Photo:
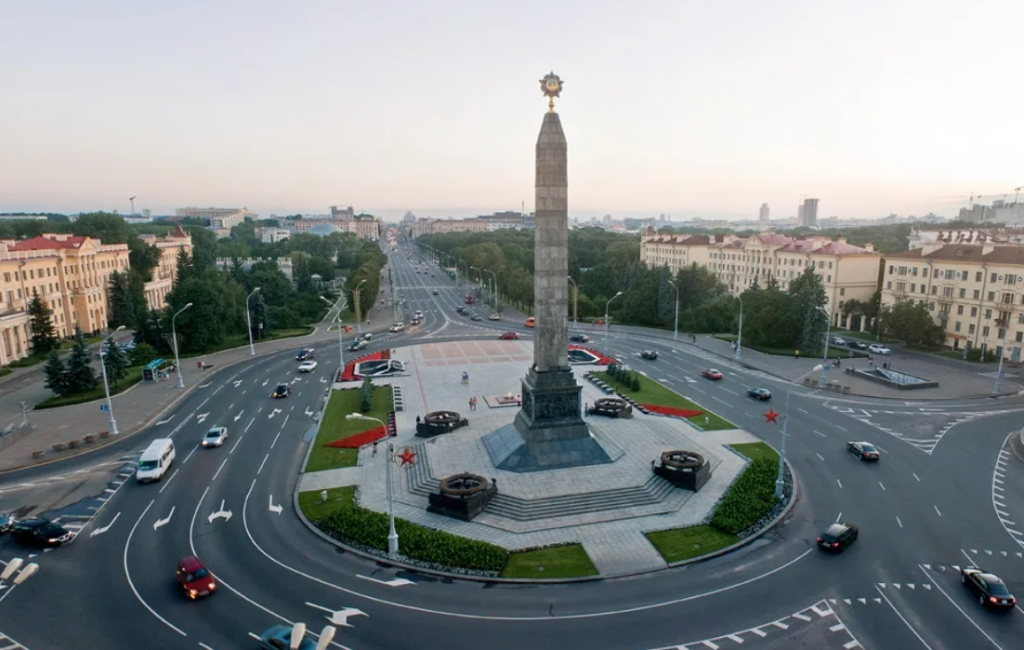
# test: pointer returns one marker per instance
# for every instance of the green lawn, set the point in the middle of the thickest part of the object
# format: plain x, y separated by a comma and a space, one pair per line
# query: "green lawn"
335, 426
314, 509
651, 392
569, 561
90, 340
239, 340
834, 352
681, 544
5, 371
26, 362
755, 450
133, 377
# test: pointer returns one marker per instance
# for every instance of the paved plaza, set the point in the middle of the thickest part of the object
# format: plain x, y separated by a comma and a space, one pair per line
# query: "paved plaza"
550, 507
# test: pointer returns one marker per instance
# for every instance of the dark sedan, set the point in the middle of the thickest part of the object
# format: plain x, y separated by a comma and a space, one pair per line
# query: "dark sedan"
864, 450
990, 590
857, 345
579, 338
650, 355
41, 532
762, 394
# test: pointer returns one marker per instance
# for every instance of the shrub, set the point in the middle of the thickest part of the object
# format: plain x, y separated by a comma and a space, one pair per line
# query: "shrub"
370, 528
366, 401
749, 499
634, 383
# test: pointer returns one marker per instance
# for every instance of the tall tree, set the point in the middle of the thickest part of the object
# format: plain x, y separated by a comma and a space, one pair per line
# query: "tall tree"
40, 324
809, 292
186, 269
122, 309
81, 377
911, 322
115, 361
143, 257
55, 374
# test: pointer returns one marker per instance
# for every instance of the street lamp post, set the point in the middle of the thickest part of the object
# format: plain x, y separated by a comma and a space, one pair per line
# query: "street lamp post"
606, 305
106, 386
824, 359
341, 348
1002, 352
494, 289
575, 301
780, 480
248, 321
174, 336
739, 333
392, 533
675, 329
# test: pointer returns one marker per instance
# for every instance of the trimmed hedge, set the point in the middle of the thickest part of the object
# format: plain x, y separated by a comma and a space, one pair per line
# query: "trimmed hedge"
751, 497
370, 528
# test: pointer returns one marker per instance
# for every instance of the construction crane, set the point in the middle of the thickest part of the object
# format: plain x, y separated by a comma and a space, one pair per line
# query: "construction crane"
131, 199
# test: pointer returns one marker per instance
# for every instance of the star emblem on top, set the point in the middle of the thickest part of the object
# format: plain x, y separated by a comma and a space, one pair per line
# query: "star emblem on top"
771, 416
407, 457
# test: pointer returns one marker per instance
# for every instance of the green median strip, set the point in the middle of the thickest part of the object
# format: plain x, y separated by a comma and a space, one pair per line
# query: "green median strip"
681, 544
651, 392
570, 561
335, 427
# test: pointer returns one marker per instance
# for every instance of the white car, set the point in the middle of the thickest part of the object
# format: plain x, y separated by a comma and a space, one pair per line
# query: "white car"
215, 437
307, 366
494, 317
838, 340
879, 349
397, 327
365, 336
418, 314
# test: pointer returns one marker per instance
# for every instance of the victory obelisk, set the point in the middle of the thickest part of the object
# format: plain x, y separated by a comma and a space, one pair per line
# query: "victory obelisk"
549, 431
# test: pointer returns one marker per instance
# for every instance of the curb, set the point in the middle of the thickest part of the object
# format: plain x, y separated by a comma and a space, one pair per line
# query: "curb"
386, 561
1017, 444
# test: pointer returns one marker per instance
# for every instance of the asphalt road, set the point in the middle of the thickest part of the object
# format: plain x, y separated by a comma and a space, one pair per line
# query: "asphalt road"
939, 500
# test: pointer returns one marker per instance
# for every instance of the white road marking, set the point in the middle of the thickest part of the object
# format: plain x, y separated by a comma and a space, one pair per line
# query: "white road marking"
917, 477
819, 456
163, 522
905, 622
164, 486
953, 602
840, 484
262, 464
100, 531
127, 574
937, 510
222, 513
249, 425
394, 582
285, 420
190, 454
819, 433
235, 445
219, 469
882, 486
275, 440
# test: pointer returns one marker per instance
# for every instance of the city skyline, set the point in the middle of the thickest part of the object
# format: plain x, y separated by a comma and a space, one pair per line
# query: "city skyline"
687, 110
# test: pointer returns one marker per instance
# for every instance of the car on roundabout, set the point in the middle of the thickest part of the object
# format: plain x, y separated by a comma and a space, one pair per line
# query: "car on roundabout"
215, 437
357, 345
988, 587
875, 348
397, 327
579, 338
194, 578
509, 336
837, 537
711, 373
650, 355
418, 314
305, 355
307, 366
762, 394
41, 532
838, 340
857, 345
494, 317
282, 390
365, 336
476, 318
864, 450
436, 293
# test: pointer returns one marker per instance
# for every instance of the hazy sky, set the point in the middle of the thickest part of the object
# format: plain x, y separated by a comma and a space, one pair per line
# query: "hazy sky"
682, 107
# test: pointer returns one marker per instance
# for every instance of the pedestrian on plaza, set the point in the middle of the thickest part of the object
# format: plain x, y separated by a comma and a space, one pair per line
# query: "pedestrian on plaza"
374, 447
586, 409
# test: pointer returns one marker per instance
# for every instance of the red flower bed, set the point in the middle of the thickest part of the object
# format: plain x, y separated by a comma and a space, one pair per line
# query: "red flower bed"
349, 373
670, 410
359, 439
602, 360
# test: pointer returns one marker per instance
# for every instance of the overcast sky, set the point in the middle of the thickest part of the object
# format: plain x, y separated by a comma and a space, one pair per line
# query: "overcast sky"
679, 107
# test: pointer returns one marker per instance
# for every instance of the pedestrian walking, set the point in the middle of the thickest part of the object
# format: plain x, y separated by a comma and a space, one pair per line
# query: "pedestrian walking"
374, 447
586, 409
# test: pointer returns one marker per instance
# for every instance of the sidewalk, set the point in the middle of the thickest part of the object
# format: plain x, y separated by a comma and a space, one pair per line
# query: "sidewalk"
955, 382
135, 408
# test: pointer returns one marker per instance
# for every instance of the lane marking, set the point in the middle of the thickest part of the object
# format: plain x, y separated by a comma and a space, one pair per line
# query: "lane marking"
127, 574
819, 456
917, 477
164, 486
263, 463
275, 440
190, 454
960, 609
937, 510
840, 484
898, 521
219, 469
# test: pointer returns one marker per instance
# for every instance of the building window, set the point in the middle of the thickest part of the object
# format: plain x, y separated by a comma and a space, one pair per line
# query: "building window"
977, 294
992, 279
991, 296
1008, 298
956, 326
842, 291
888, 285
830, 279
977, 276
988, 314
949, 274
960, 310
1020, 337
963, 293
914, 271
935, 290
970, 328
984, 331
974, 312
947, 292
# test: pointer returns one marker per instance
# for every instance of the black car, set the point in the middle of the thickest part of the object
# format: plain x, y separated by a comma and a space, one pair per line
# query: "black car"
864, 450
837, 537
857, 345
579, 338
282, 390
41, 532
305, 355
6, 522
991, 591
762, 394
650, 355
475, 317
436, 292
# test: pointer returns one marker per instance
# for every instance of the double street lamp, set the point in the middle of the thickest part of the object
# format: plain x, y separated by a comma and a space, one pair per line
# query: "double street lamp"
780, 480
675, 330
739, 332
104, 350
174, 336
824, 359
341, 346
248, 321
392, 533
606, 305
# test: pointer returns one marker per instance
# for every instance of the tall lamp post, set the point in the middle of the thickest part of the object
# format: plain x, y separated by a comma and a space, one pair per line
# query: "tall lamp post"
606, 305
248, 321
824, 359
675, 330
575, 301
1002, 352
739, 332
392, 533
359, 316
494, 289
780, 481
174, 336
341, 348
106, 386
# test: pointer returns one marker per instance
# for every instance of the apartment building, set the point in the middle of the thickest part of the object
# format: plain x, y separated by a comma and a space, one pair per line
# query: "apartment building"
364, 226
846, 271
432, 226
975, 292
211, 214
167, 270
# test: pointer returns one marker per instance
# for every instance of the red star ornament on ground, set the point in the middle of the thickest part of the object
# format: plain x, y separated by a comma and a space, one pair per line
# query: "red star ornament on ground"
771, 416
407, 457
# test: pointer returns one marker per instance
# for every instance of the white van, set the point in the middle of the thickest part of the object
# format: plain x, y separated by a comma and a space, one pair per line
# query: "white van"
155, 461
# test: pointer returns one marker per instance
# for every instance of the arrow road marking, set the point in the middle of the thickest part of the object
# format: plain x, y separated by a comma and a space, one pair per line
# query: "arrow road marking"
273, 413
323, 380
165, 421
239, 416
226, 514
201, 417
394, 582
340, 617
238, 383
206, 385
266, 382
309, 411
163, 522
100, 531
278, 508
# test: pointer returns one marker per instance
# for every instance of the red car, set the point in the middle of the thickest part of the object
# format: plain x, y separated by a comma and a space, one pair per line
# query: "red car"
509, 336
711, 373
194, 578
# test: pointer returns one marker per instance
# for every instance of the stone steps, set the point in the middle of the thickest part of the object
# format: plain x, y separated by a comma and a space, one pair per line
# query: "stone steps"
420, 481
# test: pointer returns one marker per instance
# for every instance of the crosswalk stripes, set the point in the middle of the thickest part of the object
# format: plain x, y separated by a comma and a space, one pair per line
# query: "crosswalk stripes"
7, 643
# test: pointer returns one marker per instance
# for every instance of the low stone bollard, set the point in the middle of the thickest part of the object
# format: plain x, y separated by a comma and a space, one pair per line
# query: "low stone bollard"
38, 453
73, 444
59, 446
104, 434
89, 438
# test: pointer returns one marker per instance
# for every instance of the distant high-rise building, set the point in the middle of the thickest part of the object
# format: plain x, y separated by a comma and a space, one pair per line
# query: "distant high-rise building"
808, 214
765, 211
